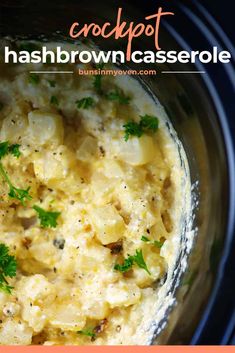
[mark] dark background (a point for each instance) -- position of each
(222, 12)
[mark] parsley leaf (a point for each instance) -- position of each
(14, 192)
(34, 79)
(130, 260)
(88, 332)
(19, 194)
(7, 268)
(63, 56)
(139, 260)
(117, 95)
(54, 100)
(147, 122)
(97, 83)
(156, 243)
(4, 149)
(99, 66)
(145, 239)
(85, 103)
(126, 266)
(51, 83)
(47, 218)
(29, 47)
(97, 78)
(48, 60)
(132, 128)
(14, 150)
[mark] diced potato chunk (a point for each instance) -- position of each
(66, 316)
(34, 316)
(3, 299)
(144, 211)
(35, 288)
(122, 294)
(13, 127)
(87, 149)
(44, 252)
(94, 305)
(155, 264)
(53, 165)
(91, 258)
(108, 224)
(137, 151)
(102, 188)
(95, 309)
(45, 127)
(92, 121)
(113, 169)
(15, 332)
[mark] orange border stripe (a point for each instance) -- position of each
(117, 349)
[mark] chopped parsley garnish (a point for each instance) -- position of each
(132, 129)
(5, 148)
(29, 47)
(88, 332)
(139, 261)
(48, 60)
(34, 79)
(97, 78)
(126, 266)
(99, 66)
(7, 268)
(19, 194)
(54, 100)
(118, 96)
(14, 192)
(85, 103)
(48, 219)
(145, 239)
(131, 260)
(147, 123)
(14, 150)
(97, 83)
(51, 83)
(156, 243)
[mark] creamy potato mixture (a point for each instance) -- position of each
(90, 183)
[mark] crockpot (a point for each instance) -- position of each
(200, 107)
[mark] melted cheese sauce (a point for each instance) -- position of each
(110, 193)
